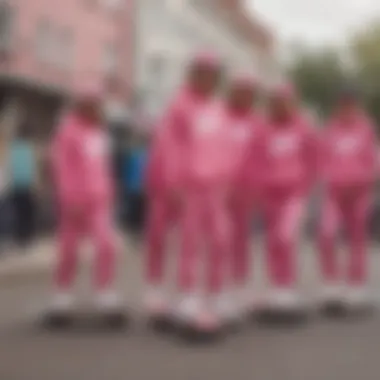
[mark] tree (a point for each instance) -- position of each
(317, 74)
(364, 50)
(320, 72)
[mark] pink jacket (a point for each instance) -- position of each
(206, 145)
(164, 164)
(349, 153)
(285, 157)
(242, 129)
(190, 146)
(81, 164)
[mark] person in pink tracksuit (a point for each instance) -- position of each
(202, 134)
(348, 169)
(162, 182)
(284, 159)
(243, 123)
(165, 173)
(84, 188)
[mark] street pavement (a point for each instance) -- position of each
(321, 350)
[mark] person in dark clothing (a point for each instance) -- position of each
(23, 173)
(120, 154)
(134, 184)
(4, 196)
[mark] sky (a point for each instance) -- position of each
(316, 22)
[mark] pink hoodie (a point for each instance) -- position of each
(80, 154)
(285, 157)
(187, 150)
(206, 144)
(162, 173)
(348, 153)
(243, 128)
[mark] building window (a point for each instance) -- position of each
(45, 44)
(110, 59)
(54, 45)
(6, 25)
(65, 48)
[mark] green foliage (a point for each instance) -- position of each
(365, 53)
(319, 73)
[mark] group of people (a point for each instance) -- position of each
(215, 161)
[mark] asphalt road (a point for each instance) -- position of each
(322, 350)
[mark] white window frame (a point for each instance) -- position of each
(64, 52)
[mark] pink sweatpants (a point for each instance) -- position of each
(163, 212)
(351, 211)
(204, 226)
(283, 212)
(240, 214)
(98, 226)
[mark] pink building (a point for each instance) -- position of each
(46, 47)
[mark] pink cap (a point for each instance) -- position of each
(206, 58)
(89, 90)
(243, 79)
(285, 90)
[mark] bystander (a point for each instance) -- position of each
(23, 176)
(4, 194)
(134, 173)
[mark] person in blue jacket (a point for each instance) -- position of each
(134, 178)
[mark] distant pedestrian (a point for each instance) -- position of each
(23, 177)
(134, 181)
(120, 154)
(4, 194)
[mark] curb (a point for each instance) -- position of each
(19, 271)
(28, 265)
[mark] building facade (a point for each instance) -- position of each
(168, 32)
(47, 47)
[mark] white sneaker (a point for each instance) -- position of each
(358, 297)
(108, 301)
(61, 302)
(284, 299)
(331, 293)
(189, 308)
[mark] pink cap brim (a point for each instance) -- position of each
(243, 80)
(89, 91)
(286, 90)
(207, 59)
